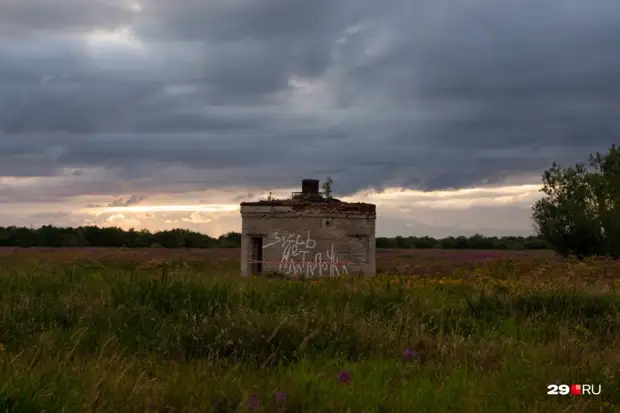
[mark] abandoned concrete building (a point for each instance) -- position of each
(310, 235)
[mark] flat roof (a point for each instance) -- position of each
(333, 205)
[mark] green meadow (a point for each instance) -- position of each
(160, 331)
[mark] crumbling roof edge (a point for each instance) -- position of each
(288, 202)
(350, 207)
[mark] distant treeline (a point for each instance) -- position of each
(91, 236)
(475, 242)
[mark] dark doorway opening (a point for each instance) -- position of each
(257, 256)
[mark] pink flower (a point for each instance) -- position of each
(253, 403)
(409, 353)
(344, 377)
(280, 397)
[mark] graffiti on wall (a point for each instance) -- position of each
(299, 257)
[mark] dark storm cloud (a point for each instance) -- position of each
(24, 16)
(425, 94)
(132, 200)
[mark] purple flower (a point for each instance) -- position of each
(344, 377)
(253, 403)
(409, 353)
(280, 397)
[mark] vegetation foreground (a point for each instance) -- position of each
(121, 332)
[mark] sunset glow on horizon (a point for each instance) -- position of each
(219, 212)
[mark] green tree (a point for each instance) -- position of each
(580, 211)
(174, 238)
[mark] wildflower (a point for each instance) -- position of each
(280, 397)
(409, 353)
(344, 377)
(253, 403)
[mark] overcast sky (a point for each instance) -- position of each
(167, 113)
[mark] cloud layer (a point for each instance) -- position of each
(148, 97)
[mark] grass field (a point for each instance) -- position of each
(100, 330)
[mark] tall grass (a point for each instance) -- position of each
(123, 336)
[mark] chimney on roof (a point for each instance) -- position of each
(310, 187)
